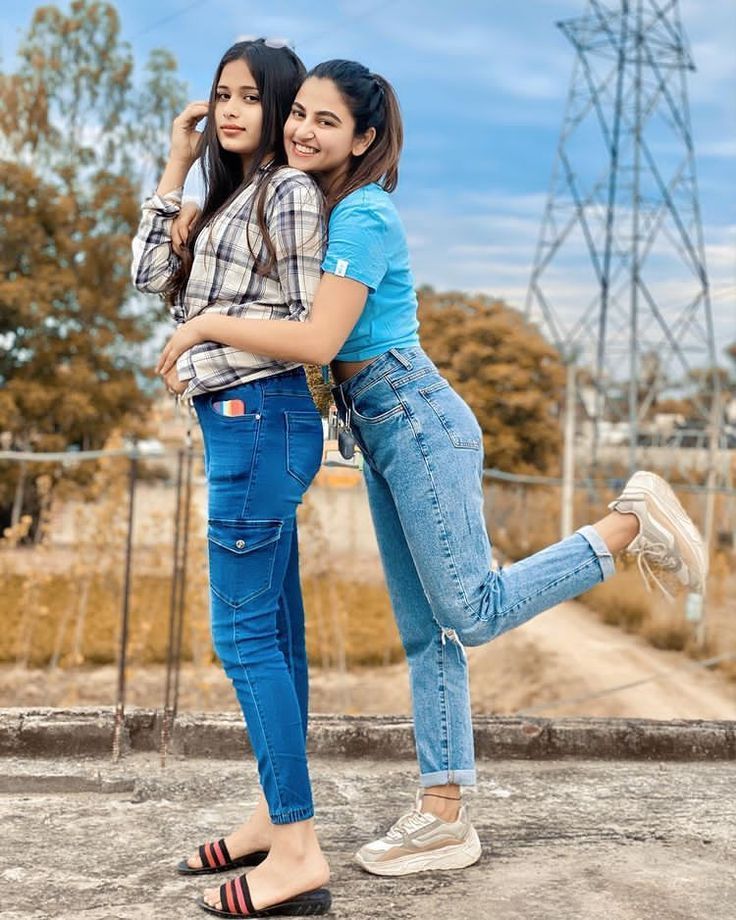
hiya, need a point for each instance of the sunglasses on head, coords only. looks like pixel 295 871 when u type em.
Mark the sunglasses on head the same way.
pixel 268 42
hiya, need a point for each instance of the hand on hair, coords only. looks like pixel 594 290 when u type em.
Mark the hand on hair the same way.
pixel 182 225
pixel 186 141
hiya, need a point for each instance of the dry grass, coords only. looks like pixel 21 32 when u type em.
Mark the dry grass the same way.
pixel 625 602
pixel 62 605
pixel 348 623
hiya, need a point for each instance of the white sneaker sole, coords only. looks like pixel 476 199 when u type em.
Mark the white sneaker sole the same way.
pixel 649 487
pixel 459 856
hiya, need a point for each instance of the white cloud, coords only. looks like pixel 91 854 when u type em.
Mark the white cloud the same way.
pixel 488 244
pixel 721 253
pixel 720 148
pixel 491 55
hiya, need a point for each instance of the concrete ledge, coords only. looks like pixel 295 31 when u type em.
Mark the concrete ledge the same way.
pixel 89 732
pixel 46 783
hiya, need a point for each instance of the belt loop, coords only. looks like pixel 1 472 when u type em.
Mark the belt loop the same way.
pixel 400 358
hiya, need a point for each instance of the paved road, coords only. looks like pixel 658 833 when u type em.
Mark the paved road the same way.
pixel 563 840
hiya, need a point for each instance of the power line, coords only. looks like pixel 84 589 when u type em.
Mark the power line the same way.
pixel 310 38
pixel 169 18
pixel 348 20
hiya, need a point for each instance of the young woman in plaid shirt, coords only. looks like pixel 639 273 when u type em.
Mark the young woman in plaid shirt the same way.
pixel 254 252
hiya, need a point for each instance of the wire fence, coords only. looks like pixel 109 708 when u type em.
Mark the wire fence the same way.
pixel 110 572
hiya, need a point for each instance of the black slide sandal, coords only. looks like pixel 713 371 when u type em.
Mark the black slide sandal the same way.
pixel 235 896
pixel 216 858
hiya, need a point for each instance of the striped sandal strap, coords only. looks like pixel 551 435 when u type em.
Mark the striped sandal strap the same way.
pixel 214 854
pixel 225 858
pixel 235 897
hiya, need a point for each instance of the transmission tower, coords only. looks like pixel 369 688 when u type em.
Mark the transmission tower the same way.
pixel 619 280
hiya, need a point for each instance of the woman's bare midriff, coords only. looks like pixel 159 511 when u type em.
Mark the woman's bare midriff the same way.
pixel 344 370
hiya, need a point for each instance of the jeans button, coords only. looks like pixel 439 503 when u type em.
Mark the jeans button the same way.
pixel 240 544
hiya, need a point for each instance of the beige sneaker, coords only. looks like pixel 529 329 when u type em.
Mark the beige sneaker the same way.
pixel 420 842
pixel 667 539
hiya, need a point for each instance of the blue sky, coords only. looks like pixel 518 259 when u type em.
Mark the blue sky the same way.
pixel 483 85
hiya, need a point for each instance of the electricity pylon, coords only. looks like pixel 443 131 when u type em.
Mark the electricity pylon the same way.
pixel 619 280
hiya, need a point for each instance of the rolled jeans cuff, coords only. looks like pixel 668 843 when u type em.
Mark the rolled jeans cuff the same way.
pixel 292 816
pixel 445 777
pixel 601 550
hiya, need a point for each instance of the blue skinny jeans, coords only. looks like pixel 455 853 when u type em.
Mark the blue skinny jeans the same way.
pixel 258 466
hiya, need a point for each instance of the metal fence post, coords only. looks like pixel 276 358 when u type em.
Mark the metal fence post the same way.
pixel 125 612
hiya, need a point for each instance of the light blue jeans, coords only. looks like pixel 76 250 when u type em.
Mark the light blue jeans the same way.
pixel 423 469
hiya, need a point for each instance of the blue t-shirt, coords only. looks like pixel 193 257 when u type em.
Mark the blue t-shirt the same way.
pixel 366 242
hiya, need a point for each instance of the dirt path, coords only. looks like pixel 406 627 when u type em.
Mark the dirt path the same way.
pixel 568 653
pixel 564 654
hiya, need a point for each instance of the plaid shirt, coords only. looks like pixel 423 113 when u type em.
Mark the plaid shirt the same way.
pixel 224 277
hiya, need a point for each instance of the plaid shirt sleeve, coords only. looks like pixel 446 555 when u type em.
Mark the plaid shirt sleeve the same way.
pixel 297 227
pixel 296 220
pixel 185 370
pixel 154 260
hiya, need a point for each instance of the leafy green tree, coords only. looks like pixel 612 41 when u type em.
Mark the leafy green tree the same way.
pixel 77 140
pixel 512 378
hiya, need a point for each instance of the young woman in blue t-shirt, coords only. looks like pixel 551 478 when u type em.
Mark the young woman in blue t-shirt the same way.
pixel 423 458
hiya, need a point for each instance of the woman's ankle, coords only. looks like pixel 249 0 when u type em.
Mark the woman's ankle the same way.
pixel 297 841
pixel 255 832
pixel 442 801
pixel 618 530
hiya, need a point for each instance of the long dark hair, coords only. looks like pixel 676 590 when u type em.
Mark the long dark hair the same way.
pixel 373 104
pixel 278 74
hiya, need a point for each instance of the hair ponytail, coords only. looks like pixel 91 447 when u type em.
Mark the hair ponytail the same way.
pixel 387 149
pixel 373 104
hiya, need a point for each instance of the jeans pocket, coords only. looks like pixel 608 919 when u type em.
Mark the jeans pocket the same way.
pixel 303 444
pixel 242 556
pixel 376 402
pixel 454 414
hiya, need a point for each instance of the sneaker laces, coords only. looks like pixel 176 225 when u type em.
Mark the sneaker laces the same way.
pixel 661 556
pixel 408 823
